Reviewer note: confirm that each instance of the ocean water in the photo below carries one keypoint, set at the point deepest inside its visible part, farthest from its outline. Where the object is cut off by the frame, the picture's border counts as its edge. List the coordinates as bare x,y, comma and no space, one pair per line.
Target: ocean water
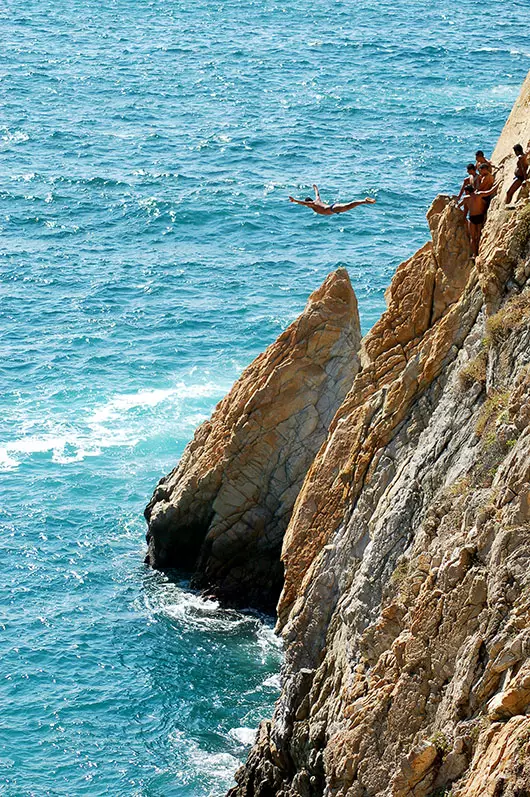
147,253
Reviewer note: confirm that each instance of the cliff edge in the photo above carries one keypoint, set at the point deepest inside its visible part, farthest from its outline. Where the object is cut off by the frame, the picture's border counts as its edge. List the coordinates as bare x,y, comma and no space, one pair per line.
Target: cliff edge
405,610
222,513
383,487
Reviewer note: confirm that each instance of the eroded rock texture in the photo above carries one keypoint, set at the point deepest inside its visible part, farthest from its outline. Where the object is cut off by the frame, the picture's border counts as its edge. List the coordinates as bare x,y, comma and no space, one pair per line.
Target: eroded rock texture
222,512
408,347
406,605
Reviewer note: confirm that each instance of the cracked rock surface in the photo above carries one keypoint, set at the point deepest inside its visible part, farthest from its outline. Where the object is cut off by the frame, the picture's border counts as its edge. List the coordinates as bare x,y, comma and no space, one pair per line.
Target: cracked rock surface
222,513
405,610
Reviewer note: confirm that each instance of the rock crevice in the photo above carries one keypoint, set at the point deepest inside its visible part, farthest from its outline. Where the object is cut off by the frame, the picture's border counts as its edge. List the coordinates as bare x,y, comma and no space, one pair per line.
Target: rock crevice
407,556
221,514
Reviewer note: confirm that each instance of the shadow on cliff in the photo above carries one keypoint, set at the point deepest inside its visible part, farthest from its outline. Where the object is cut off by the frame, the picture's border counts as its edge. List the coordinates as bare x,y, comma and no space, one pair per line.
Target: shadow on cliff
222,513
405,611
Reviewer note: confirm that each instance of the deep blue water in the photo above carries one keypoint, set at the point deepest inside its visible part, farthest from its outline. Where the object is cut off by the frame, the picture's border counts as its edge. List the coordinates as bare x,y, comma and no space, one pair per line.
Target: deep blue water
147,253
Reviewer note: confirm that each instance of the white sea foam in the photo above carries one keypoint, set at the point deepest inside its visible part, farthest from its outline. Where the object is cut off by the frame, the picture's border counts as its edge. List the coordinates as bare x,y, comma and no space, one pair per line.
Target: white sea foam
203,614
7,462
222,765
17,137
63,447
505,90
268,644
123,420
164,597
28,177
217,765
116,406
243,735
273,681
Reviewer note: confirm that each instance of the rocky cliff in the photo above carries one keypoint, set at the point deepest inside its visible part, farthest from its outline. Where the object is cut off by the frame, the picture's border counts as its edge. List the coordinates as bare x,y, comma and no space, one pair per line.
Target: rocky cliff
406,604
222,513
405,607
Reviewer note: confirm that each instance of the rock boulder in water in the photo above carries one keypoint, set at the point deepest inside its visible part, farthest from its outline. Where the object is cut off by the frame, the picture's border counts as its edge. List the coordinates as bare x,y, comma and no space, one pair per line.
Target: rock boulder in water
222,513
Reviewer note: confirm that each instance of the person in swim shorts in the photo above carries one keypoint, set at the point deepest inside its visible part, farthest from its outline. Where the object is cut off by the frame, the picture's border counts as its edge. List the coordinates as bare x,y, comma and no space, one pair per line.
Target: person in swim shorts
323,209
485,183
474,205
521,172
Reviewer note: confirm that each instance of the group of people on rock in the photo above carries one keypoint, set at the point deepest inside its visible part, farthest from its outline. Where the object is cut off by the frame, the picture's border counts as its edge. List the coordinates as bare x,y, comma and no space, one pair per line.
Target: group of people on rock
476,193
479,187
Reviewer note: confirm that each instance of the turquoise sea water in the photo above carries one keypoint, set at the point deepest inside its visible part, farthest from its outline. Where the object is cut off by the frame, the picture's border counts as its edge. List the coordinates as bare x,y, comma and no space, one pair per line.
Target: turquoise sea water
147,254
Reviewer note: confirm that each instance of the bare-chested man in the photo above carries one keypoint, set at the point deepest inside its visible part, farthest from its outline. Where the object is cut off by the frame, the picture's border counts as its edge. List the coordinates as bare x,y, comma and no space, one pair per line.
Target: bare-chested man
481,158
485,184
324,209
521,172
475,205
471,179
485,178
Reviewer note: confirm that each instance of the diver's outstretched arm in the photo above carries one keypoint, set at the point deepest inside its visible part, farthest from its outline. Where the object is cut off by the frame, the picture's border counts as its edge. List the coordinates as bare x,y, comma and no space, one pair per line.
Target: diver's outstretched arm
461,192
299,201
317,194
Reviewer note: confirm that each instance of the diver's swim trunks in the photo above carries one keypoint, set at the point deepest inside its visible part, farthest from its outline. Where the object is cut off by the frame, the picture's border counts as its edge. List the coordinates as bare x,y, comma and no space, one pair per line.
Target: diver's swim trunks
477,219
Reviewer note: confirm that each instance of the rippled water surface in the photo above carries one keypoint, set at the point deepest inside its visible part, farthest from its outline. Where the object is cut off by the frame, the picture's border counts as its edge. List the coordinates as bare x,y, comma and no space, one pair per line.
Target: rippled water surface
147,254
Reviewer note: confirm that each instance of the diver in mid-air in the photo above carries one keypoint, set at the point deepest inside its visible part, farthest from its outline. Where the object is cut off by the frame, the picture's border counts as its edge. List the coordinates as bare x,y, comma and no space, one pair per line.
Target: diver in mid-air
329,210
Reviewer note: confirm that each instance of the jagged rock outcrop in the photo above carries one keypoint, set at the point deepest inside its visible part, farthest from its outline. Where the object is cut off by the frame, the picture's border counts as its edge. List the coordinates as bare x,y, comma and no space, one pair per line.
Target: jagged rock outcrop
406,605
407,348
500,243
222,513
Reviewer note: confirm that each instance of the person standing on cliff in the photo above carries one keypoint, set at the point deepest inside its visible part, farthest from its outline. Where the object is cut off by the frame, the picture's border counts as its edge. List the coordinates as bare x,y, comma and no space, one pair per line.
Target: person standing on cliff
521,173
471,179
323,209
485,178
475,206
480,159
485,184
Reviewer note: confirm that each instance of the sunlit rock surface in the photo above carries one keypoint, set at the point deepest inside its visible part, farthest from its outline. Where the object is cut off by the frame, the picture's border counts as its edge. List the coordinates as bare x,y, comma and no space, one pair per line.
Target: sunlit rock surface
222,513
406,605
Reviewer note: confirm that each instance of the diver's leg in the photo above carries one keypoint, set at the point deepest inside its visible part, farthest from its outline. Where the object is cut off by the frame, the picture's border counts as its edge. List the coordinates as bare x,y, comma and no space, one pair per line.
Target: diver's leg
346,206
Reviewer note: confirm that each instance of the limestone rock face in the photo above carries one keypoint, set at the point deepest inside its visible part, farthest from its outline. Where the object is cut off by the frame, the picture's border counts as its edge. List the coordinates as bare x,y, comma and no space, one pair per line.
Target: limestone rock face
499,256
406,605
223,511
501,765
429,313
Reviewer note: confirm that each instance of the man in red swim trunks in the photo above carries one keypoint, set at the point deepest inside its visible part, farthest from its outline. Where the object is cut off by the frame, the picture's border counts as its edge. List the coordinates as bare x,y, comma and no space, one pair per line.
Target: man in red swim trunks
323,209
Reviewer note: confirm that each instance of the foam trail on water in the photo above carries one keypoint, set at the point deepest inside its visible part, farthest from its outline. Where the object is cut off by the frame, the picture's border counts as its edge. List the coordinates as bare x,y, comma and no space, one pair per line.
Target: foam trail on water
125,419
